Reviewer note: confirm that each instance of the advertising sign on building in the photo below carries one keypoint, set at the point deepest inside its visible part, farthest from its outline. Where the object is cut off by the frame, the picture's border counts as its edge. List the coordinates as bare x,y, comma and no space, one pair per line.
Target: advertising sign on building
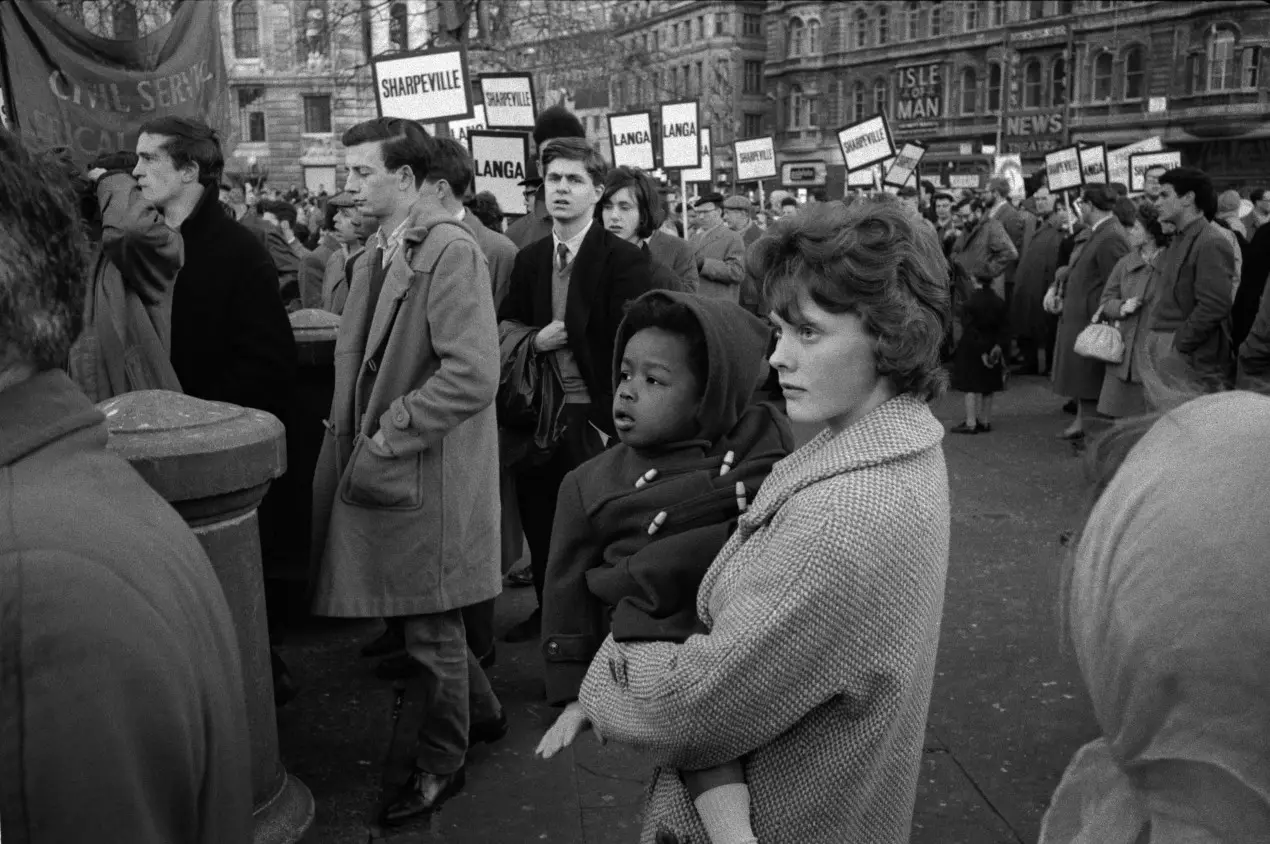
499,160
425,85
1093,164
1140,162
1062,169
508,99
460,128
1033,133
755,159
1118,159
865,142
803,174
704,173
631,138
680,135
919,95
902,169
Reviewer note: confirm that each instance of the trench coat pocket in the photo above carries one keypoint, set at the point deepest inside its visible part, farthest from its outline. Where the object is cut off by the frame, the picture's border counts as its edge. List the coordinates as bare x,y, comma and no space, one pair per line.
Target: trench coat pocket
383,483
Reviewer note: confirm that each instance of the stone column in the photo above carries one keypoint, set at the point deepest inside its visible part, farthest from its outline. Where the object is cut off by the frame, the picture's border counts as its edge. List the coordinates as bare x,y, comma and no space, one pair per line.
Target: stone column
213,462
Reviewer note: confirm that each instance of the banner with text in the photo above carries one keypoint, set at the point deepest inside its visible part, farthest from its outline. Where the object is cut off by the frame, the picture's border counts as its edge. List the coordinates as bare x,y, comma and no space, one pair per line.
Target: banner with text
459,129
1118,159
705,172
499,160
680,135
1062,169
1093,164
904,166
631,139
755,159
865,142
508,100
70,88
1141,162
424,85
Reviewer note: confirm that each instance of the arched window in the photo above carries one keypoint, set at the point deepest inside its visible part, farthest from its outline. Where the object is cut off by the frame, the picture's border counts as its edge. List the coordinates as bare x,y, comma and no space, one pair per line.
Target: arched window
936,28
857,101
884,25
813,37
912,21
398,26
1032,85
1221,60
879,96
246,30
795,107
1058,81
994,87
1134,74
848,32
794,39
970,16
862,28
967,90
1101,89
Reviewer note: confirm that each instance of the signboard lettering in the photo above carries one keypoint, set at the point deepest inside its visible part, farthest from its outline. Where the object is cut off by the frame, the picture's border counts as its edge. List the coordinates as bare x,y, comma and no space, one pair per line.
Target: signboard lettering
755,159
1140,162
866,142
499,160
460,128
919,93
631,137
905,164
426,85
704,173
1062,169
1118,159
508,100
1093,164
680,144
803,174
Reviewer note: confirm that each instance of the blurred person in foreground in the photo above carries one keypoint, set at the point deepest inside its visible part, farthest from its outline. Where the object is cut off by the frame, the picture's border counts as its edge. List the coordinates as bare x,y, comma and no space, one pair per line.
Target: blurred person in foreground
122,714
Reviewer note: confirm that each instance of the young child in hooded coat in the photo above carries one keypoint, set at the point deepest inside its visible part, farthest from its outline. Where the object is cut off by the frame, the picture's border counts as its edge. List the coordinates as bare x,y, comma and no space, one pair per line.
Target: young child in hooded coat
637,526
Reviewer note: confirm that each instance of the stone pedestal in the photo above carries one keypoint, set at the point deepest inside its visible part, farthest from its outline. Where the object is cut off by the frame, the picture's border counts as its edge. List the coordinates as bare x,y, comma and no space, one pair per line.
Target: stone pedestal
213,462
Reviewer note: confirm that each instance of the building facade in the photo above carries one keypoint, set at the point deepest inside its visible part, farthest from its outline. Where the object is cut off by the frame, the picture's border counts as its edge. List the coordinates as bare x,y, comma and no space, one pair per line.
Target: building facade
970,78
712,51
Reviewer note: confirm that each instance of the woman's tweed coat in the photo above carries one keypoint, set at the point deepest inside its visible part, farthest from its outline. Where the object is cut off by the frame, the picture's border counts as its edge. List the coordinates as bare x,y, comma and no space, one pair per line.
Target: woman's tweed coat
824,611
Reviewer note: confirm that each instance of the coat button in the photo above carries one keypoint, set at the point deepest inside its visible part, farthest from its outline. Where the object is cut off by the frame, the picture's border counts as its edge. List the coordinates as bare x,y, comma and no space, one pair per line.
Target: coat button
553,648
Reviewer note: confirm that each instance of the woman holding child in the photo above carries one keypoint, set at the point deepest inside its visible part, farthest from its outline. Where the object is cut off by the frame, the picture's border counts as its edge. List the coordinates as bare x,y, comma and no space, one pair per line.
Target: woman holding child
820,615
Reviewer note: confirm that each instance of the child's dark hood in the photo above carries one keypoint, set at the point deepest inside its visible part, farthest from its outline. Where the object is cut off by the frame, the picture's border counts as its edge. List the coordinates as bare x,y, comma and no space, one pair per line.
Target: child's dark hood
736,344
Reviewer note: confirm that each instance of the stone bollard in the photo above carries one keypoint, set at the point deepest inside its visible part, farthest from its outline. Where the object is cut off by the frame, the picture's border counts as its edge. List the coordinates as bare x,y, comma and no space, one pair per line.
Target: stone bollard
213,462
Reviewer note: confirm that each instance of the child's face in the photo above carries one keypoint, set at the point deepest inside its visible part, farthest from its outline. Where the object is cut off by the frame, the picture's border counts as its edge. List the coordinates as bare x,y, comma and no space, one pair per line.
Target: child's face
657,394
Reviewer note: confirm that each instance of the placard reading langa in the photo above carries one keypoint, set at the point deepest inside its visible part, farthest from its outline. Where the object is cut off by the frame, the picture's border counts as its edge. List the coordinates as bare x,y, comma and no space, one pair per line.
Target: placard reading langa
499,161
428,85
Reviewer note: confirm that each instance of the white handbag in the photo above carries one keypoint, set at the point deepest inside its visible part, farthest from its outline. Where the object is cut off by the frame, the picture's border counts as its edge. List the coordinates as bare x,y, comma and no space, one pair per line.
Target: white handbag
1100,341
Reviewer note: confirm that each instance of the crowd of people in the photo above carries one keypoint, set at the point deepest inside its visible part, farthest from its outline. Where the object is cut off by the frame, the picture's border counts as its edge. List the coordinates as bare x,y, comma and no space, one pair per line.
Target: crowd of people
613,377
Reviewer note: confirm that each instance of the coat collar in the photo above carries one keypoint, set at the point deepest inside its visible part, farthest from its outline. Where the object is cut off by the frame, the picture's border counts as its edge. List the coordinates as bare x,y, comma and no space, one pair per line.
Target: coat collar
40,411
207,212
900,428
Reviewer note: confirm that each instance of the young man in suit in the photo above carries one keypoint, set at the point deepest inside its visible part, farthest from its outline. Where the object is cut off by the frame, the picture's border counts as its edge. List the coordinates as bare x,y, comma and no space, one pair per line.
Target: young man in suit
720,251
572,287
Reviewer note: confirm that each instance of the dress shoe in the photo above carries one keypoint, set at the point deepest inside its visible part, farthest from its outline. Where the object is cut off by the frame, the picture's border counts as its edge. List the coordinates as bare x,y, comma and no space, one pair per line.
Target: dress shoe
984,427
390,641
422,795
397,667
487,732
521,578
964,428
527,631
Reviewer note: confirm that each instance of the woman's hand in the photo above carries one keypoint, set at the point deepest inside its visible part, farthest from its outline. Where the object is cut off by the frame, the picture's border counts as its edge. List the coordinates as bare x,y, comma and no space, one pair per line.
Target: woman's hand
568,727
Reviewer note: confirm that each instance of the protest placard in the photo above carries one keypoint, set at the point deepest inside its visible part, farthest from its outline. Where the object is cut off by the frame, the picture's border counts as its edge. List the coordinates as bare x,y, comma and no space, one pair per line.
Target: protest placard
904,166
424,85
1140,162
1093,164
865,142
508,99
705,172
866,178
1010,168
631,138
755,159
499,161
1062,169
459,129
680,135
1118,159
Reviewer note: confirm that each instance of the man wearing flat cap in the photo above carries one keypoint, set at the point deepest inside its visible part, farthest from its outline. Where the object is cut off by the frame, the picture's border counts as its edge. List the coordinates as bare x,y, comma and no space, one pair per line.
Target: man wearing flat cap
320,264
719,251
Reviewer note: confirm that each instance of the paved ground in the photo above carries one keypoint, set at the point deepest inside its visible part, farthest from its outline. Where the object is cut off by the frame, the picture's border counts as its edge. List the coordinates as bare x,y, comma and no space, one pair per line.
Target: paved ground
1007,712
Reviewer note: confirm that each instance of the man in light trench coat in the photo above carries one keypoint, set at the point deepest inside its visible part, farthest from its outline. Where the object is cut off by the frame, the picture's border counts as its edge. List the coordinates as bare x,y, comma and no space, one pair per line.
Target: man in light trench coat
406,521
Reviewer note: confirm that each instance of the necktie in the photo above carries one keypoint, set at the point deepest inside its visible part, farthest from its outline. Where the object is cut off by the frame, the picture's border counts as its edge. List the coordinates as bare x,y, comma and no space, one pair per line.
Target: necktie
562,257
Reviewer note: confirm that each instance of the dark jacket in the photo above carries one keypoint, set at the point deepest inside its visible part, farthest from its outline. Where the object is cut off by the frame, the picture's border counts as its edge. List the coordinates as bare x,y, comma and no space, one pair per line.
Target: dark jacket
1256,269
1197,271
1015,224
313,271
604,571
1033,278
1093,259
674,266
985,251
286,262
231,339
607,273
532,227
122,715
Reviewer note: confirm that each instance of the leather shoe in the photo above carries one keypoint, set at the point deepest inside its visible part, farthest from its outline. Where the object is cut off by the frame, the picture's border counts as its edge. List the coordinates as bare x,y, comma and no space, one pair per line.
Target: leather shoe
487,732
398,667
390,641
527,631
422,795
521,577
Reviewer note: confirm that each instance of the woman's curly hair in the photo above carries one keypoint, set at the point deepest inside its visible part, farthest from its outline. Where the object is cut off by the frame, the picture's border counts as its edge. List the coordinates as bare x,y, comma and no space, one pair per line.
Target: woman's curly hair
876,259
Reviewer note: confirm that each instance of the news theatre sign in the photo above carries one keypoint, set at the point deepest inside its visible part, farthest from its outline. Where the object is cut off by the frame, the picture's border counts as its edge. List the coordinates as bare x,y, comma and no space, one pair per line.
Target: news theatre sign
919,96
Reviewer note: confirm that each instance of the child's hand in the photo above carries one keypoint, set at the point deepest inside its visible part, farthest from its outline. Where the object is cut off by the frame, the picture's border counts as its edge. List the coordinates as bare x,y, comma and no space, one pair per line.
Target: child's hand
568,726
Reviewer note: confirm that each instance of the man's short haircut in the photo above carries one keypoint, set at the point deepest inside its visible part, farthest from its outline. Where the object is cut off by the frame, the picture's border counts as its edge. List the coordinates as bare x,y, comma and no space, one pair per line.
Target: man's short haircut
190,141
1193,180
451,161
43,277
281,209
657,311
644,190
1120,188
1000,186
1101,197
1257,194
404,143
486,208
575,149
941,196
1126,211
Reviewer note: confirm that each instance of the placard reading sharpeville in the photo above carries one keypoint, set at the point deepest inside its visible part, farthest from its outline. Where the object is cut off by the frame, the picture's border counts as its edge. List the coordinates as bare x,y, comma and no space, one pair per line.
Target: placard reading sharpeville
460,128
508,99
704,173
499,160
905,164
1093,164
631,137
1062,169
424,85
680,135
1118,159
866,142
1140,162
755,159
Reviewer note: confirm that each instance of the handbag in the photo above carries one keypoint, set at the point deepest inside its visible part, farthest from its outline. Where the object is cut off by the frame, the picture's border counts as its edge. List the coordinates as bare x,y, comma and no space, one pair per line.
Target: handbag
1100,341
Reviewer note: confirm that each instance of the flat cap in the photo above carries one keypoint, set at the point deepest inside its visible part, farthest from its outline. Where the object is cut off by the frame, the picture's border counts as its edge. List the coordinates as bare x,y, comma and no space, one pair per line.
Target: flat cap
739,202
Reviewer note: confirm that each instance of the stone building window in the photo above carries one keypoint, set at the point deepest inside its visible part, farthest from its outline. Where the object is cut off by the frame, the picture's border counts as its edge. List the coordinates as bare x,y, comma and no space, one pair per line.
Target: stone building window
1032,85
861,28
753,125
250,117
884,24
1134,74
967,91
753,77
1058,81
970,16
996,13
752,25
246,30
1065,7
857,101
1250,59
794,104
1221,60
317,114
813,37
1101,81
398,27
1035,9
994,87
879,96
794,38
912,21
936,19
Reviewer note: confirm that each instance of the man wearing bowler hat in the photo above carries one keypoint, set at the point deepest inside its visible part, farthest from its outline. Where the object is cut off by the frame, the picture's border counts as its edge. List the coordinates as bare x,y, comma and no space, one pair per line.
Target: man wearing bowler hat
719,251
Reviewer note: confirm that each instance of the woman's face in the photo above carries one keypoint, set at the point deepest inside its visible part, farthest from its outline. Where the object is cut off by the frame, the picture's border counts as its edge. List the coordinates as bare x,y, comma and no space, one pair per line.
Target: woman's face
826,366
620,215
1138,236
